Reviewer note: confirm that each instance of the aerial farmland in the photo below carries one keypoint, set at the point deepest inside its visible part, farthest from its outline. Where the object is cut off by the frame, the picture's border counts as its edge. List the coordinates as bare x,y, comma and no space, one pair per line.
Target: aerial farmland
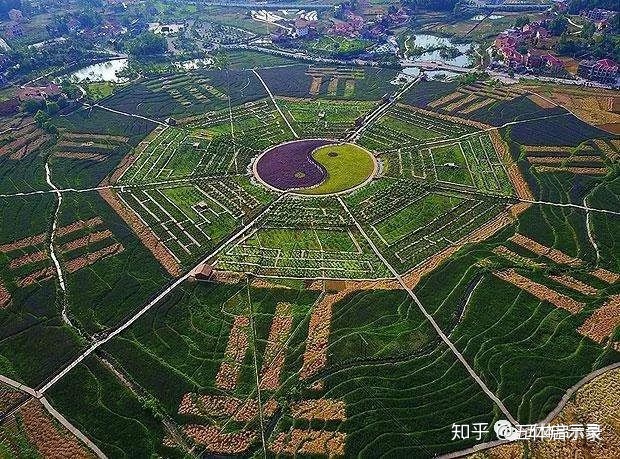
309,230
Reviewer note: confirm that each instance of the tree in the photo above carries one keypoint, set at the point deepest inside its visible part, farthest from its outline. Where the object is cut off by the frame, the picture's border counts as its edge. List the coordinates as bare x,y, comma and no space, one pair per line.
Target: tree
147,44
90,19
521,21
41,118
588,30
558,25
32,106
52,108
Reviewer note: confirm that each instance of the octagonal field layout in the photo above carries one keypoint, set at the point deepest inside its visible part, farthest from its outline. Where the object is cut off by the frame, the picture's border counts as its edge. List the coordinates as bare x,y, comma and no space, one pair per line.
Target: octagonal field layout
315,167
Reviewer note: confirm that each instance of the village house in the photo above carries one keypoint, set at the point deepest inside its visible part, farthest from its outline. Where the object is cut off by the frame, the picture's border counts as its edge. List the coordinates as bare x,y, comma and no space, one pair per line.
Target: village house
14,29
38,92
16,15
601,18
603,70
203,272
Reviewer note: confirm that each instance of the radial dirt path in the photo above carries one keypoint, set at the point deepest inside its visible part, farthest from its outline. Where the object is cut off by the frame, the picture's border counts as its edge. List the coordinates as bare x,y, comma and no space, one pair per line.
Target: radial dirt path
275,103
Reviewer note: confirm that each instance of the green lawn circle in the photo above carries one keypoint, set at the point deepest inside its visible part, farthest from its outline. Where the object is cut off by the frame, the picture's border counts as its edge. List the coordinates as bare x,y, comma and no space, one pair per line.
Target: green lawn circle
348,166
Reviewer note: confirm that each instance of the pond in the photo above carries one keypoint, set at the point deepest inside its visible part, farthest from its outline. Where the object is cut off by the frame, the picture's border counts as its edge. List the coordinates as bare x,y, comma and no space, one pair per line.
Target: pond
103,71
434,43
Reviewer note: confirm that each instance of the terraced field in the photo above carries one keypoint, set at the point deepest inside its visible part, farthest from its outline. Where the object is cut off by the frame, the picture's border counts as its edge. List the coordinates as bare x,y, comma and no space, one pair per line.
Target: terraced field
301,260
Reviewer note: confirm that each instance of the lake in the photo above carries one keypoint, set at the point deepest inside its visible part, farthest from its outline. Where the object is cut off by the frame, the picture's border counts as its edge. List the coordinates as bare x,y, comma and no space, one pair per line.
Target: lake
432,41
103,71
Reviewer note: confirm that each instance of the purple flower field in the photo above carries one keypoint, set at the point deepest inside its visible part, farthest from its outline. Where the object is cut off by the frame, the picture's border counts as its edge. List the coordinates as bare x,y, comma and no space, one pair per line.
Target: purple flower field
290,165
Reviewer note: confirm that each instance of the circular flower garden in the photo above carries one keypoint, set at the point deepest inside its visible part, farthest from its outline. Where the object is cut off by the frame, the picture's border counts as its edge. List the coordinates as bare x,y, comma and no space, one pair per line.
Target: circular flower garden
315,167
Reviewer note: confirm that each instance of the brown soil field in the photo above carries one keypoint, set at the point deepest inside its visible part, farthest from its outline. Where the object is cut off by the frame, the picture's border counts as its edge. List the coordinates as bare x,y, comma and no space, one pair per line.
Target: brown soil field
613,128
477,106
30,147
542,292
558,160
547,252
593,105
315,85
9,397
84,143
91,258
603,321
608,150
50,440
321,409
507,451
5,296
86,240
605,276
81,155
541,102
316,442
226,277
144,233
218,442
40,275
88,136
78,225
33,257
547,149
23,243
445,99
574,170
275,352
315,355
595,403
235,353
574,284
453,119
413,277
516,258
224,406
459,103
514,174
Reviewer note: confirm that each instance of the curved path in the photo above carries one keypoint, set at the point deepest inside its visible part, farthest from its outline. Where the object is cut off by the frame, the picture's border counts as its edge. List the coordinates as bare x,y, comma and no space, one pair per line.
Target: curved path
439,331
565,398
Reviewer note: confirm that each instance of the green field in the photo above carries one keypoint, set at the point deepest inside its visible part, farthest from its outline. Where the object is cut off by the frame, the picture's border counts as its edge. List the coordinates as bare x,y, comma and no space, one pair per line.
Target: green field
347,166
214,307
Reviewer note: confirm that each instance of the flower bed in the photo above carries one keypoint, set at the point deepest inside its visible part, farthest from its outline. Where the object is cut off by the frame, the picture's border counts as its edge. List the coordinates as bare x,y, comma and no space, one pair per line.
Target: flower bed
290,165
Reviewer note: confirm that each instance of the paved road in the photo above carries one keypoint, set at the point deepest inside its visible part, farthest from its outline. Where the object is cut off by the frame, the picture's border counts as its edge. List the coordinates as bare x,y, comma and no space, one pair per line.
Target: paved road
565,398
439,331
59,417
380,110
71,428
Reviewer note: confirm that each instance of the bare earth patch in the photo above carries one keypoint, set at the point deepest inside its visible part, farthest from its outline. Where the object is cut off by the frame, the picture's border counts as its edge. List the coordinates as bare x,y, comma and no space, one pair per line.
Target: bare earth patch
235,352
603,321
299,441
323,409
542,292
273,360
50,440
144,233
218,442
